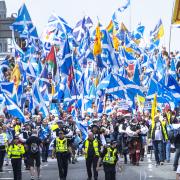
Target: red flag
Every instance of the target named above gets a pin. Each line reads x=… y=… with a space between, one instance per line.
x=51 y=60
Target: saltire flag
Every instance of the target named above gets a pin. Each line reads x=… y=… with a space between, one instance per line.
x=51 y=60
x=97 y=44
x=82 y=128
x=13 y=109
x=67 y=58
x=138 y=33
x=38 y=99
x=18 y=25
x=136 y=77
x=81 y=28
x=173 y=68
x=16 y=76
x=121 y=9
x=7 y=87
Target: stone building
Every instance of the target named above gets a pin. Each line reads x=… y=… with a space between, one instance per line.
x=3 y=13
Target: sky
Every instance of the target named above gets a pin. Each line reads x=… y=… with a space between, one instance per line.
x=146 y=12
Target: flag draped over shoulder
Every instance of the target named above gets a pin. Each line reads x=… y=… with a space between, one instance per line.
x=16 y=76
x=154 y=111
x=97 y=44
x=51 y=60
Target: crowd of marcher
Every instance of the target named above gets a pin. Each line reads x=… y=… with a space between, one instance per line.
x=110 y=137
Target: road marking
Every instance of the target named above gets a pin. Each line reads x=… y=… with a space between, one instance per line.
x=140 y=175
x=145 y=175
x=6 y=178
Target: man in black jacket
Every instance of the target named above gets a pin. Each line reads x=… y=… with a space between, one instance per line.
x=177 y=146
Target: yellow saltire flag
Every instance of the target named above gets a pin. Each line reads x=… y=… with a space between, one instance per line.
x=161 y=32
x=140 y=101
x=97 y=44
x=176 y=13
x=153 y=111
x=16 y=76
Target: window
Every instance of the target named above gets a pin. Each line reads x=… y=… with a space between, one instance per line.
x=0 y=47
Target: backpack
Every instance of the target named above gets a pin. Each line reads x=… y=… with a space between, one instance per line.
x=34 y=148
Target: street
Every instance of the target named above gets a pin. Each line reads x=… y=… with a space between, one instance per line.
x=145 y=171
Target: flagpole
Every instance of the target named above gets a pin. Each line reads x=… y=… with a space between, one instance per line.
x=170 y=34
x=130 y=16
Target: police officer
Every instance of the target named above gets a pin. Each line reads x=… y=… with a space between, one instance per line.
x=110 y=158
x=61 y=148
x=3 y=145
x=15 y=152
x=91 y=151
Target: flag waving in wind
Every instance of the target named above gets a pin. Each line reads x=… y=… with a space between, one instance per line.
x=13 y=109
x=51 y=60
x=16 y=76
x=97 y=44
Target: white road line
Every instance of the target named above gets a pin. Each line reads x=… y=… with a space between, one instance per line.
x=6 y=178
x=145 y=175
x=140 y=175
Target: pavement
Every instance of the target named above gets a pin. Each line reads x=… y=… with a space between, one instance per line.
x=145 y=171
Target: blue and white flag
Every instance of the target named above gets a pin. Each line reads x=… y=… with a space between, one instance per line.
x=13 y=109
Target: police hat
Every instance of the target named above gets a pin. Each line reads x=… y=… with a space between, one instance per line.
x=113 y=142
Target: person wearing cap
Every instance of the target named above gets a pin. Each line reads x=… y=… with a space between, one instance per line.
x=109 y=157
x=158 y=134
x=25 y=134
x=3 y=146
x=61 y=127
x=92 y=152
x=15 y=152
x=61 y=151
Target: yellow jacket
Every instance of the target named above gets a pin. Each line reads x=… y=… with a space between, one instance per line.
x=16 y=151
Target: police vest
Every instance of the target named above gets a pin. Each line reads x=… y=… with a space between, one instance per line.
x=61 y=145
x=16 y=151
x=110 y=156
x=95 y=145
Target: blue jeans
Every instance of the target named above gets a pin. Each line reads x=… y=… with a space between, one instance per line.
x=158 y=151
x=168 y=150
